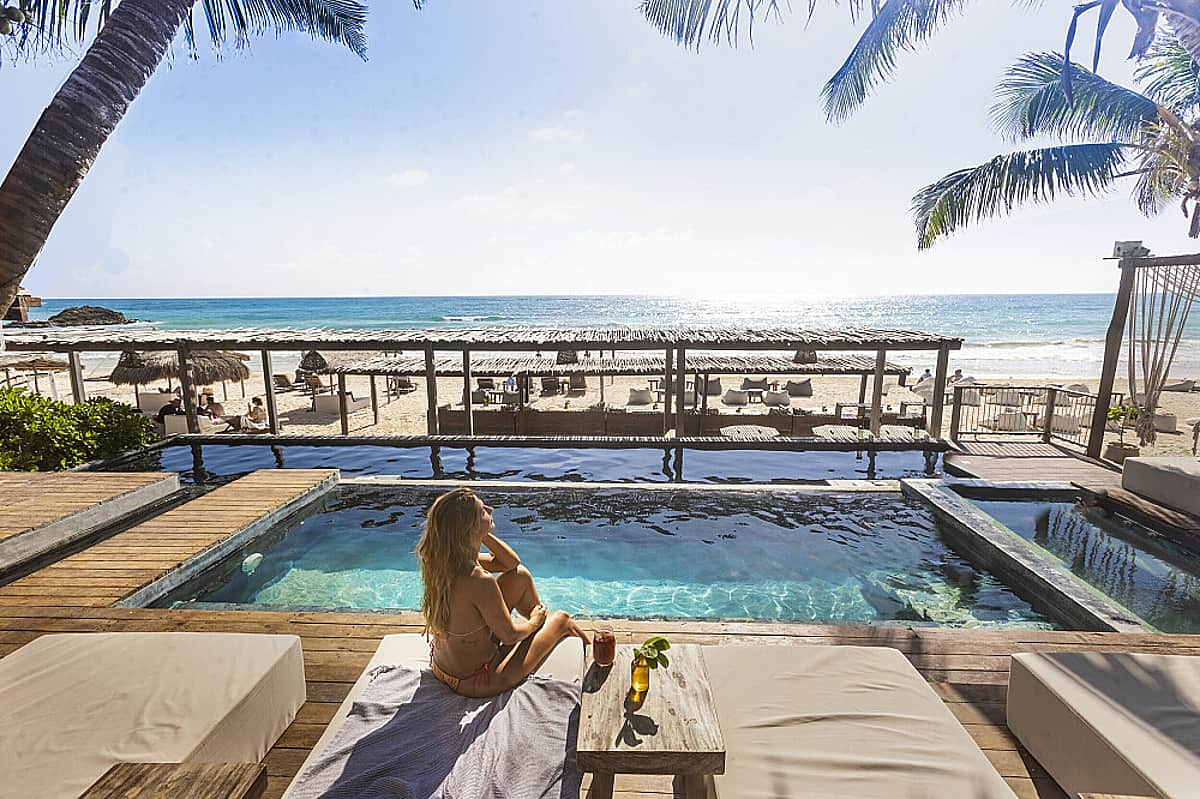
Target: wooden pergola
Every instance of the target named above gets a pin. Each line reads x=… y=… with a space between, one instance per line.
x=676 y=343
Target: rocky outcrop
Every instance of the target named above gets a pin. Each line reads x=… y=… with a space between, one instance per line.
x=89 y=315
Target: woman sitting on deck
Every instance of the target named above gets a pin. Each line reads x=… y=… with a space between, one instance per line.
x=476 y=647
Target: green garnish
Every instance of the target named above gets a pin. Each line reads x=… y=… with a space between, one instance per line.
x=654 y=652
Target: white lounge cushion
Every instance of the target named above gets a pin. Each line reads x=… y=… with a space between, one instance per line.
x=175 y=423
x=566 y=662
x=834 y=721
x=799 y=388
x=640 y=396
x=1166 y=422
x=75 y=704
x=1011 y=421
x=777 y=398
x=1170 y=481
x=1006 y=396
x=1114 y=723
x=735 y=396
x=328 y=403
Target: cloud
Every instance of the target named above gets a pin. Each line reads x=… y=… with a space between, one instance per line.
x=409 y=178
x=556 y=134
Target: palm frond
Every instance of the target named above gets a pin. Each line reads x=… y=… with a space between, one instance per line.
x=690 y=22
x=1030 y=101
x=900 y=25
x=996 y=187
x=1170 y=75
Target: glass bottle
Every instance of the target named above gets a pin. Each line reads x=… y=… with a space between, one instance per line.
x=639 y=675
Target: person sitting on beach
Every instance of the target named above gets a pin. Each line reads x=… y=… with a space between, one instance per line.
x=215 y=409
x=958 y=375
x=476 y=648
x=510 y=384
x=926 y=375
x=256 y=416
x=172 y=408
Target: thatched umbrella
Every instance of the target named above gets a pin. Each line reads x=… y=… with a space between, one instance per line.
x=33 y=361
x=314 y=361
x=205 y=367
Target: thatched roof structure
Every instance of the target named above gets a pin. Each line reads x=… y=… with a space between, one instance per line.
x=332 y=361
x=205 y=367
x=32 y=360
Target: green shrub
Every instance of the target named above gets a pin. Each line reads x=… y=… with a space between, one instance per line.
x=39 y=434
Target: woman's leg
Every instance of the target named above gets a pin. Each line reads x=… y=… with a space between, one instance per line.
x=519 y=592
x=525 y=657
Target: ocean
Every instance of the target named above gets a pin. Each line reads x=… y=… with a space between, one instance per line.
x=1006 y=335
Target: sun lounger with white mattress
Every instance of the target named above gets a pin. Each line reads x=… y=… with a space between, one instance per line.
x=73 y=705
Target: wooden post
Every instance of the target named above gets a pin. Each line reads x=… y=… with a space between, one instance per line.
x=703 y=405
x=269 y=390
x=1112 y=351
x=374 y=400
x=862 y=389
x=601 y=389
x=470 y=428
x=224 y=391
x=939 y=391
x=680 y=371
x=431 y=416
x=188 y=391
x=1048 y=421
x=877 y=392
x=342 y=411
x=668 y=368
x=78 y=394
x=955 y=413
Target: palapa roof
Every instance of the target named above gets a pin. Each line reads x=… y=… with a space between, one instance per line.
x=532 y=365
x=204 y=367
x=32 y=360
x=493 y=338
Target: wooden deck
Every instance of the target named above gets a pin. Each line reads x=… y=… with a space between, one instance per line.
x=29 y=500
x=1027 y=461
x=115 y=568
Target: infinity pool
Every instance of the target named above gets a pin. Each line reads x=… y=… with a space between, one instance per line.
x=642 y=553
x=1151 y=576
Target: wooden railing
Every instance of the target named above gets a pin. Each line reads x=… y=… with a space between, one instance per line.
x=1048 y=412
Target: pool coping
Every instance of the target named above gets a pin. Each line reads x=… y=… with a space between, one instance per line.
x=1025 y=567
x=829 y=486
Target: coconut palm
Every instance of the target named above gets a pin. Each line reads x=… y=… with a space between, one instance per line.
x=129 y=38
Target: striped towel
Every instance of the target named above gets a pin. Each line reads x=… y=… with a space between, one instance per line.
x=408 y=736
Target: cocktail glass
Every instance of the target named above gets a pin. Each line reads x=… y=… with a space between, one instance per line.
x=604 y=645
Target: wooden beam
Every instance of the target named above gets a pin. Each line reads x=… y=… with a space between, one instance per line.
x=862 y=389
x=680 y=372
x=470 y=429
x=877 y=392
x=78 y=393
x=342 y=411
x=1112 y=352
x=939 y=392
x=431 y=414
x=269 y=390
x=668 y=367
x=374 y=399
x=188 y=390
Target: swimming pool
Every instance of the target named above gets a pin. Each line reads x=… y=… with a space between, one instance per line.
x=225 y=462
x=765 y=554
x=1153 y=577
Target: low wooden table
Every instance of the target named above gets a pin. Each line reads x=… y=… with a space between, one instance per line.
x=674 y=730
x=172 y=780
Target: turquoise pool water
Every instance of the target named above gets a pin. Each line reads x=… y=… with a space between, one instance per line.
x=1151 y=576
x=666 y=553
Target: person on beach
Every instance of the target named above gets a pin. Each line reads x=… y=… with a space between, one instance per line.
x=958 y=375
x=476 y=648
x=172 y=408
x=511 y=383
x=256 y=416
x=926 y=375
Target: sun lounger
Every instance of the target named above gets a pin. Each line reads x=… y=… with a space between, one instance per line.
x=1110 y=723
x=550 y=386
x=566 y=662
x=735 y=396
x=1180 y=385
x=799 y=388
x=328 y=403
x=761 y=384
x=776 y=398
x=75 y=704
x=176 y=424
x=401 y=384
x=283 y=383
x=841 y=432
x=640 y=396
x=818 y=721
x=713 y=387
x=577 y=383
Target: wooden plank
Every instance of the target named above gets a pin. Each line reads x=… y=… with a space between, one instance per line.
x=193 y=780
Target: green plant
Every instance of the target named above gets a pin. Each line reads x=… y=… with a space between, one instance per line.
x=40 y=434
x=1122 y=414
x=654 y=652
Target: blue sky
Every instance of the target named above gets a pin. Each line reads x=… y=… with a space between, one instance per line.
x=562 y=147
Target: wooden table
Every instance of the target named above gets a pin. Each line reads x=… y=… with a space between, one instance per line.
x=673 y=731
x=170 y=780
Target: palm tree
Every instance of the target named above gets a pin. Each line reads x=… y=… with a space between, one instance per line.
x=131 y=39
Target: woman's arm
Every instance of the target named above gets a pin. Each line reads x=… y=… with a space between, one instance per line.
x=500 y=557
x=489 y=601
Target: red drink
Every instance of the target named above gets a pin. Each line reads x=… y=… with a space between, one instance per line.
x=604 y=646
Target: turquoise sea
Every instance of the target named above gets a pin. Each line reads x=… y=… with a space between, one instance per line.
x=1008 y=335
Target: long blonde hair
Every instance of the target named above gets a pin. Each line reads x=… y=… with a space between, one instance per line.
x=447 y=550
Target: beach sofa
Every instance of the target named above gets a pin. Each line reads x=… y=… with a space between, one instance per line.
x=1110 y=723
x=839 y=721
x=76 y=704
x=151 y=402
x=799 y=388
x=566 y=662
x=640 y=396
x=1170 y=481
x=328 y=403
x=735 y=396
x=176 y=424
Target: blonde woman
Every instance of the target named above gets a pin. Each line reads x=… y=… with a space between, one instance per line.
x=476 y=647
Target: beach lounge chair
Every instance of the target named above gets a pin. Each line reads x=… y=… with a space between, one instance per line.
x=713 y=389
x=549 y=386
x=400 y=384
x=283 y=383
x=640 y=396
x=1110 y=723
x=512 y=397
x=577 y=383
x=328 y=403
x=566 y=663
x=735 y=396
x=760 y=384
x=316 y=384
x=833 y=721
x=90 y=700
x=479 y=397
x=1179 y=385
x=176 y=424
x=485 y=383
x=776 y=399
x=799 y=388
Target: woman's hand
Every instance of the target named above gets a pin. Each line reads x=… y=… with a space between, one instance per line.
x=500 y=558
x=538 y=616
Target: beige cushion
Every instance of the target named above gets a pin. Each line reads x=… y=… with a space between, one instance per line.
x=328 y=403
x=1165 y=422
x=833 y=721
x=776 y=398
x=75 y=704
x=640 y=396
x=566 y=662
x=1110 y=722
x=734 y=396
x=1171 y=481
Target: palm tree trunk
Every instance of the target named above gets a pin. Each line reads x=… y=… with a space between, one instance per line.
x=73 y=128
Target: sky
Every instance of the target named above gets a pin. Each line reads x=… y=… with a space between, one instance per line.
x=564 y=147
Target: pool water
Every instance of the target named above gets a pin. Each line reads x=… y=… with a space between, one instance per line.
x=1151 y=576
x=223 y=462
x=649 y=553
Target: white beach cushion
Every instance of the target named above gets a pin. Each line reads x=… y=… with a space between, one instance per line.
x=799 y=388
x=1171 y=481
x=1006 y=396
x=75 y=704
x=839 y=721
x=1114 y=723
x=1166 y=422
x=776 y=398
x=735 y=396
x=566 y=662
x=640 y=396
